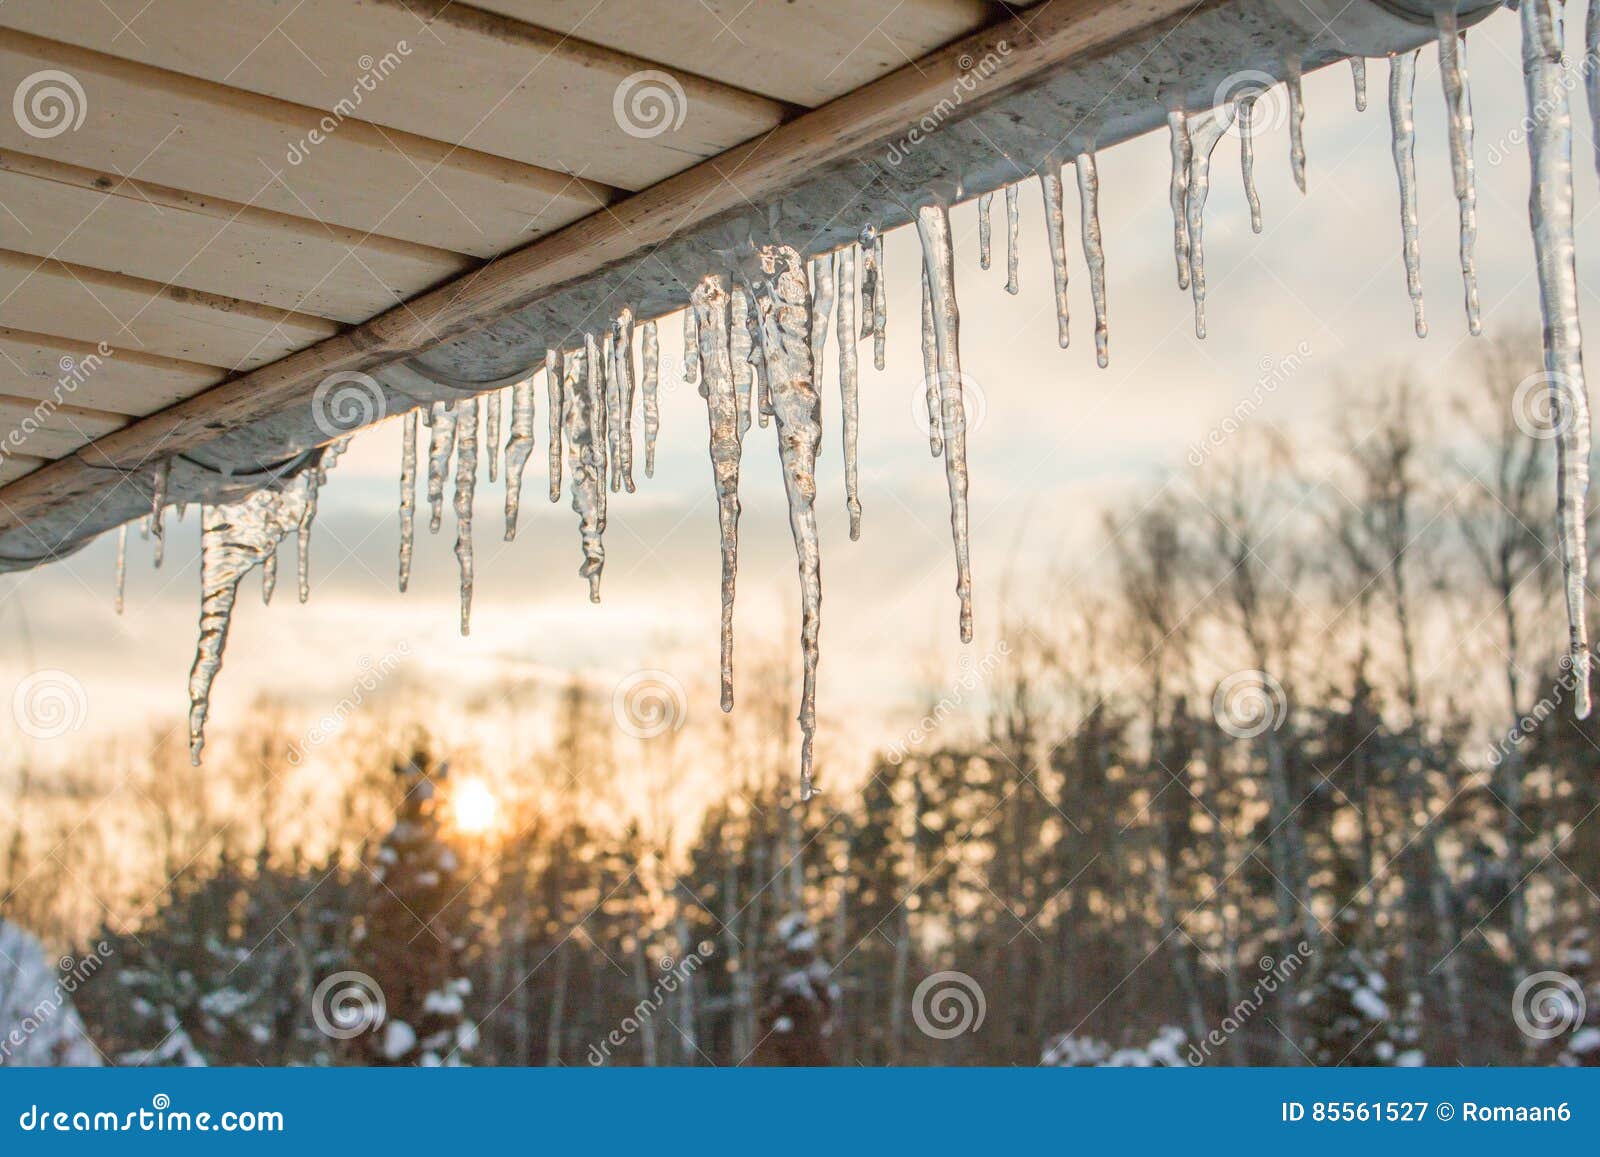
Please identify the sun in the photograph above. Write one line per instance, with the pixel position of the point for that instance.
(474, 807)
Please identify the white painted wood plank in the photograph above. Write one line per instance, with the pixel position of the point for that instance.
(38, 366)
(28, 427)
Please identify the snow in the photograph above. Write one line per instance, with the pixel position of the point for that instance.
(38, 1024)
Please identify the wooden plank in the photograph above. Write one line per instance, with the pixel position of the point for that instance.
(217, 141)
(437, 69)
(40, 431)
(35, 365)
(101, 220)
(91, 305)
(14, 466)
(806, 52)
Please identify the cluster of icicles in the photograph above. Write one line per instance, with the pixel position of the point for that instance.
(755, 340)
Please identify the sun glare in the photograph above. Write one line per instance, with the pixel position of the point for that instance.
(475, 807)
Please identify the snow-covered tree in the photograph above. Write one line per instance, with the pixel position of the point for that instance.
(1163, 1051)
(1581, 1048)
(1351, 1018)
(38, 1024)
(802, 998)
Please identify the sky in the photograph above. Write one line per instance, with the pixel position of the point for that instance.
(1053, 440)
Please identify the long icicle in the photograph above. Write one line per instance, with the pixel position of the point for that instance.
(269, 578)
(1055, 226)
(880, 306)
(985, 236)
(938, 260)
(739, 356)
(822, 289)
(1297, 123)
(441, 446)
(1403, 131)
(122, 564)
(1247, 158)
(584, 464)
(1205, 130)
(1591, 73)
(709, 303)
(1013, 239)
(785, 313)
(519, 448)
(408, 494)
(1458, 100)
(554, 389)
(1551, 215)
(466, 481)
(650, 366)
(1358, 74)
(491, 432)
(158, 505)
(849, 385)
(595, 384)
(691, 347)
(627, 379)
(311, 478)
(1178, 190)
(613, 406)
(1094, 251)
(930, 372)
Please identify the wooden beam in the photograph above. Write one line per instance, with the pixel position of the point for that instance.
(123, 381)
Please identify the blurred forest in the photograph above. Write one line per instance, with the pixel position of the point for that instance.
(1285, 773)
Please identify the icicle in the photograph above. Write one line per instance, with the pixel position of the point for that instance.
(553, 375)
(269, 578)
(595, 383)
(1094, 251)
(691, 348)
(311, 478)
(1591, 73)
(491, 432)
(1358, 74)
(613, 408)
(938, 261)
(868, 242)
(930, 372)
(739, 355)
(1247, 158)
(880, 305)
(758, 361)
(821, 310)
(441, 445)
(622, 341)
(158, 503)
(1013, 229)
(1055, 227)
(1297, 124)
(144, 528)
(710, 305)
(1205, 130)
(466, 481)
(233, 539)
(849, 387)
(408, 495)
(122, 564)
(1403, 130)
(1458, 100)
(519, 448)
(1178, 190)
(985, 200)
(650, 352)
(584, 463)
(1551, 215)
(785, 311)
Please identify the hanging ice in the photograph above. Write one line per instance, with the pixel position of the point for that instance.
(553, 379)
(1358, 74)
(158, 504)
(1403, 130)
(930, 371)
(938, 262)
(269, 578)
(650, 354)
(821, 311)
(491, 431)
(613, 406)
(880, 305)
(1204, 131)
(1551, 214)
(1458, 100)
(519, 448)
(1247, 158)
(1178, 190)
(122, 564)
(594, 381)
(1013, 228)
(849, 387)
(784, 308)
(1055, 227)
(1297, 124)
(1094, 251)
(622, 339)
(739, 355)
(466, 480)
(709, 304)
(312, 478)
(441, 445)
(758, 360)
(1591, 73)
(408, 495)
(584, 463)
(691, 348)
(985, 200)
